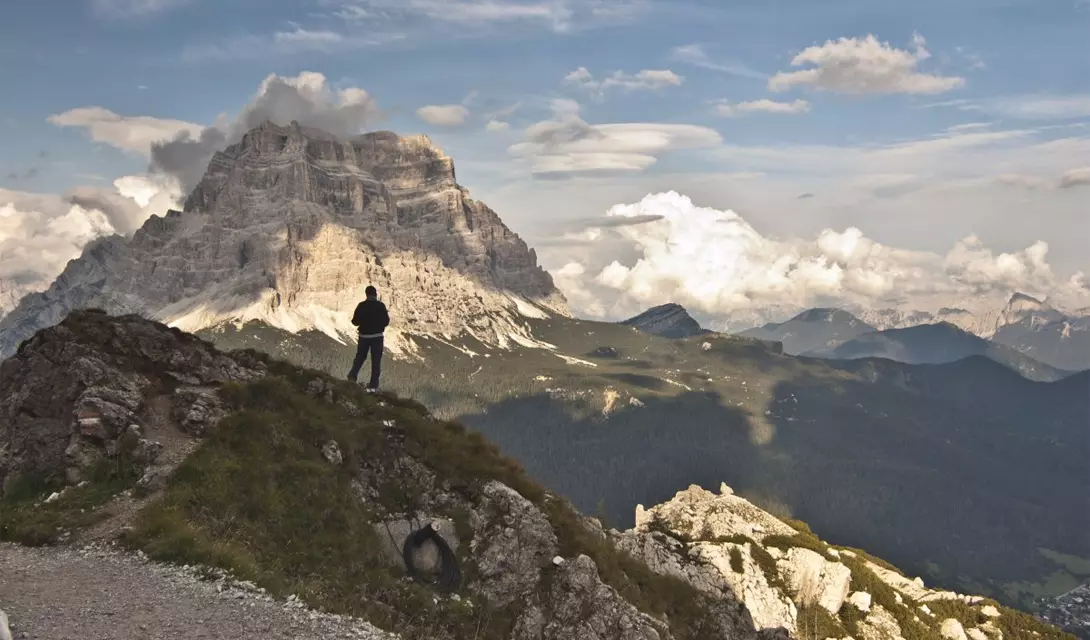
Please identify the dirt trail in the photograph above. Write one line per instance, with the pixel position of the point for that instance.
(99, 594)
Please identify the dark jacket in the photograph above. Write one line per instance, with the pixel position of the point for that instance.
(371, 317)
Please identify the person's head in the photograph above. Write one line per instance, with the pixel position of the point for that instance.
(371, 291)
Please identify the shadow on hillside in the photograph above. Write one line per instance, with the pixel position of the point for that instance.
(960, 473)
(637, 456)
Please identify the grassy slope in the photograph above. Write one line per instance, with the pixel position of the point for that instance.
(943, 469)
(259, 500)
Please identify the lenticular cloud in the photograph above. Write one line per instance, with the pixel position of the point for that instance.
(714, 261)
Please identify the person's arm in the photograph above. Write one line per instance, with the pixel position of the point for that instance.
(356, 315)
(385, 317)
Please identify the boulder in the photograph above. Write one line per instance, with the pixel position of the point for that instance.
(512, 541)
(815, 580)
(951, 629)
(860, 600)
(880, 625)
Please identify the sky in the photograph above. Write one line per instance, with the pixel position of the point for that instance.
(727, 154)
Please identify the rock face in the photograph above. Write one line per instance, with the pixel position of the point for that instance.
(1042, 332)
(668, 320)
(11, 292)
(90, 388)
(290, 224)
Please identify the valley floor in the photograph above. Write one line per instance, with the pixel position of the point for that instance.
(64, 593)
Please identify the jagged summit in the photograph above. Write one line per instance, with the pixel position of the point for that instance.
(288, 226)
(669, 320)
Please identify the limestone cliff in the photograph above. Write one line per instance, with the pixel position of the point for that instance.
(290, 224)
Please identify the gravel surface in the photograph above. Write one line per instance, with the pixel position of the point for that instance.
(98, 593)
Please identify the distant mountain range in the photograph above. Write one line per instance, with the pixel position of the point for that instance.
(1027, 335)
(812, 330)
(936, 344)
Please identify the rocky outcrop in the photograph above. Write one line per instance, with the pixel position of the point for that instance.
(668, 320)
(87, 391)
(1071, 611)
(290, 224)
(579, 606)
(785, 578)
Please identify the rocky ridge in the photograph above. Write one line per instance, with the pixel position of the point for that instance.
(789, 579)
(287, 227)
(91, 405)
(11, 292)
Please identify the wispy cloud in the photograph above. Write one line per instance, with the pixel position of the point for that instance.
(1079, 177)
(695, 55)
(1040, 106)
(557, 15)
(644, 80)
(733, 110)
(567, 145)
(298, 40)
(135, 134)
(130, 9)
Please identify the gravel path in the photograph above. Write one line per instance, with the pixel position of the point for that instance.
(103, 594)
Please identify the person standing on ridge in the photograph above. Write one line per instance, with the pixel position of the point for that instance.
(372, 319)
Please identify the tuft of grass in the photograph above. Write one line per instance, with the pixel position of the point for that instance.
(875, 559)
(850, 617)
(27, 519)
(799, 540)
(816, 623)
(736, 563)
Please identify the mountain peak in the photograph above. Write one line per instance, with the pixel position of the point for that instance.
(827, 314)
(1025, 300)
(669, 320)
(288, 226)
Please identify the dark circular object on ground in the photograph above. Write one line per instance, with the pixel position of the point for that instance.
(449, 575)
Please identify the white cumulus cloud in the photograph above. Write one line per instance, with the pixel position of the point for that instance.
(135, 134)
(859, 66)
(445, 115)
(40, 233)
(731, 110)
(715, 262)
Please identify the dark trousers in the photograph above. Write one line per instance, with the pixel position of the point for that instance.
(374, 347)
